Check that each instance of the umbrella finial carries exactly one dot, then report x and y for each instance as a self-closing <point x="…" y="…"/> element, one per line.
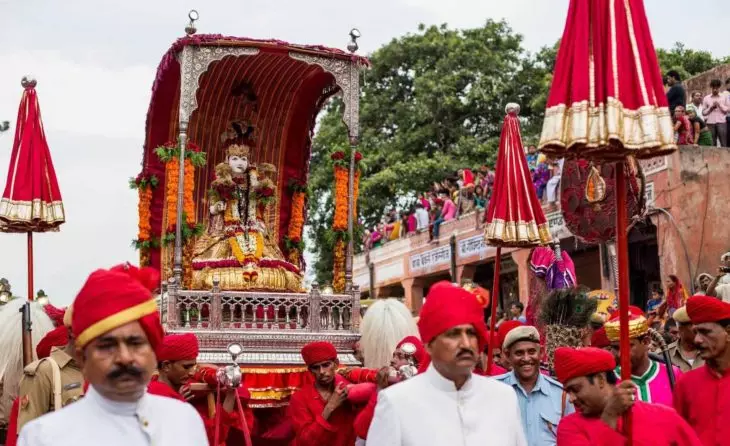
<point x="512" y="107"/>
<point x="28" y="81"/>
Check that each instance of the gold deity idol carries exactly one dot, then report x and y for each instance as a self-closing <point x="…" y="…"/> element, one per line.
<point x="238" y="248"/>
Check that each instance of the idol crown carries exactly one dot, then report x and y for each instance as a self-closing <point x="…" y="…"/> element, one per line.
<point x="238" y="150"/>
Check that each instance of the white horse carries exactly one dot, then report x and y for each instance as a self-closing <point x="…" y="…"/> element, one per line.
<point x="11" y="348"/>
<point x="385" y="323"/>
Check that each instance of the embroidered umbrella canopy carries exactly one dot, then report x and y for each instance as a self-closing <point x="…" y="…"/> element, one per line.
<point x="514" y="217"/>
<point x="607" y="102"/>
<point x="32" y="200"/>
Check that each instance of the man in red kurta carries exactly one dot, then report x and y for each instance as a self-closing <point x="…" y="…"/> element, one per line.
<point x="588" y="378"/>
<point x="178" y="368"/>
<point x="319" y="411"/>
<point x="702" y="396"/>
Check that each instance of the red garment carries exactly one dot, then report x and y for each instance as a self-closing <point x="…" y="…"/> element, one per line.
<point x="364" y="418"/>
<point x="305" y="411"/>
<point x="446" y="307"/>
<point x="600" y="339"/>
<point x="702" y="397"/>
<point x="573" y="362"/>
<point x="358" y="375"/>
<point x="178" y="347"/>
<point x="701" y="309"/>
<point x="653" y="425"/>
<point x="321" y="351"/>
<point x="514" y="216"/>
<point x="504" y="328"/>
<point x="607" y="86"/>
<point x="122" y="290"/>
<point x="157" y="387"/>
<point x="677" y="296"/>
<point x="57" y="337"/>
<point x="12" y="436"/>
<point x="685" y="131"/>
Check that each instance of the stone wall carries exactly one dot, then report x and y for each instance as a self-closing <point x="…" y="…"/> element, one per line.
<point x="695" y="191"/>
<point x="701" y="82"/>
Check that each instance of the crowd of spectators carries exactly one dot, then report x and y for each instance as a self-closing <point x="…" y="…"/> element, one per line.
<point x="704" y="120"/>
<point x="463" y="193"/>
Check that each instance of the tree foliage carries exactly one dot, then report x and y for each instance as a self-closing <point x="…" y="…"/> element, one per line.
<point x="433" y="102"/>
<point x="686" y="61"/>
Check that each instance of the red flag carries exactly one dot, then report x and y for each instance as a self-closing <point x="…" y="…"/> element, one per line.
<point x="32" y="200"/>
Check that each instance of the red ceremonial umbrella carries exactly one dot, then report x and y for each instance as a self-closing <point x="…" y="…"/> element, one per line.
<point x="514" y="217"/>
<point x="31" y="201"/>
<point x="607" y="102"/>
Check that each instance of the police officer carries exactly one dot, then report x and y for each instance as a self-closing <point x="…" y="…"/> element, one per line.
<point x="53" y="381"/>
<point x="541" y="399"/>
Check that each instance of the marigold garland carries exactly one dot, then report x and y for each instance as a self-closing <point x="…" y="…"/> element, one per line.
<point x="296" y="223"/>
<point x="339" y="222"/>
<point x="338" y="270"/>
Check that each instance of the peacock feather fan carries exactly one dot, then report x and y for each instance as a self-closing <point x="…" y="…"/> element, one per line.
<point x="569" y="307"/>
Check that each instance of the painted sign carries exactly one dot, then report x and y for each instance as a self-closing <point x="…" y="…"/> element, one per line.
<point x="428" y="259"/>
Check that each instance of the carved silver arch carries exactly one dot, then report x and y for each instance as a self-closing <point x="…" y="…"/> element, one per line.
<point x="194" y="61"/>
<point x="347" y="77"/>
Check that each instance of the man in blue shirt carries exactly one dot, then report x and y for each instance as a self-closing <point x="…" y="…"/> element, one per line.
<point x="541" y="399"/>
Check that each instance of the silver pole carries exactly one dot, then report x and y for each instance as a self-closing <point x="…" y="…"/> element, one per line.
<point x="177" y="264"/>
<point x="350" y="221"/>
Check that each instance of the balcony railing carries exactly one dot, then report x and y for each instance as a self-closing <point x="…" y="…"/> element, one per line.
<point x="244" y="311"/>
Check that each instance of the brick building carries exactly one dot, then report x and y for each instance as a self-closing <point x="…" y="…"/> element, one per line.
<point x="685" y="233"/>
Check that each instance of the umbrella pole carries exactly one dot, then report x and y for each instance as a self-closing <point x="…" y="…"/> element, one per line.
<point x="493" y="313"/>
<point x="622" y="249"/>
<point x="26" y="322"/>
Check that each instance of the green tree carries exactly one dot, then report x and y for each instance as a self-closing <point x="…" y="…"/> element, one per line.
<point x="433" y="102"/>
<point x="686" y="61"/>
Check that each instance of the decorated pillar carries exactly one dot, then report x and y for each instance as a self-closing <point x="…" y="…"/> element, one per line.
<point x="341" y="234"/>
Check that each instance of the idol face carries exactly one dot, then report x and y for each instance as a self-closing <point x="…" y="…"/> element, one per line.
<point x="238" y="164"/>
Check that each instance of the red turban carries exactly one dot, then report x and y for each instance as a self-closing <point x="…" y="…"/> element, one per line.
<point x="57" y="337"/>
<point x="56" y="314"/>
<point x="574" y="362"/>
<point x="178" y="347"/>
<point x="504" y="328"/>
<point x="316" y="352"/>
<point x="420" y="355"/>
<point x="112" y="298"/>
<point x="600" y="339"/>
<point x="446" y="307"/>
<point x="703" y="309"/>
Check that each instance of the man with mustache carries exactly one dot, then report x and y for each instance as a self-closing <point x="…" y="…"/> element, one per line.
<point x="650" y="376"/>
<point x="702" y="396"/>
<point x="588" y="378"/>
<point x="319" y="411"/>
<point x="116" y="329"/>
<point x="448" y="404"/>
<point x="177" y="366"/>
<point x="542" y="404"/>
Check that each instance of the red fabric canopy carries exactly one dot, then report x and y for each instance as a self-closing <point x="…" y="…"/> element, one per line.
<point x="607" y="98"/>
<point x="32" y="200"/>
<point x="515" y="216"/>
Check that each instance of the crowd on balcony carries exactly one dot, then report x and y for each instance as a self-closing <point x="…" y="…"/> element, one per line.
<point x="704" y="120"/>
<point x="458" y="195"/>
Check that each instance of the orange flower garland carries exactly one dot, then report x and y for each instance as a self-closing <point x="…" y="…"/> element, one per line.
<point x="296" y="223"/>
<point x="189" y="188"/>
<point x="341" y="182"/>
<point x="171" y="182"/>
<point x="143" y="208"/>
<point x="338" y="270"/>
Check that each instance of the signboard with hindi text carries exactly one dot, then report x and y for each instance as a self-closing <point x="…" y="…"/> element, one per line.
<point x="429" y="259"/>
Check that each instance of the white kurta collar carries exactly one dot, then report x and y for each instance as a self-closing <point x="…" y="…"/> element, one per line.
<point x="114" y="407"/>
<point x="446" y="385"/>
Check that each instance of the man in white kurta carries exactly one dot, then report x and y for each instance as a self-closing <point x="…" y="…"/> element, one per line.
<point x="448" y="404"/>
<point x="94" y="420"/>
<point x="116" y="330"/>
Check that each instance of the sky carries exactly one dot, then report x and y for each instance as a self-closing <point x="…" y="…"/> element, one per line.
<point x="95" y="62"/>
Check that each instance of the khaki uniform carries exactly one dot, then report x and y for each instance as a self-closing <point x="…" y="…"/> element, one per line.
<point x="37" y="392"/>
<point x="677" y="359"/>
